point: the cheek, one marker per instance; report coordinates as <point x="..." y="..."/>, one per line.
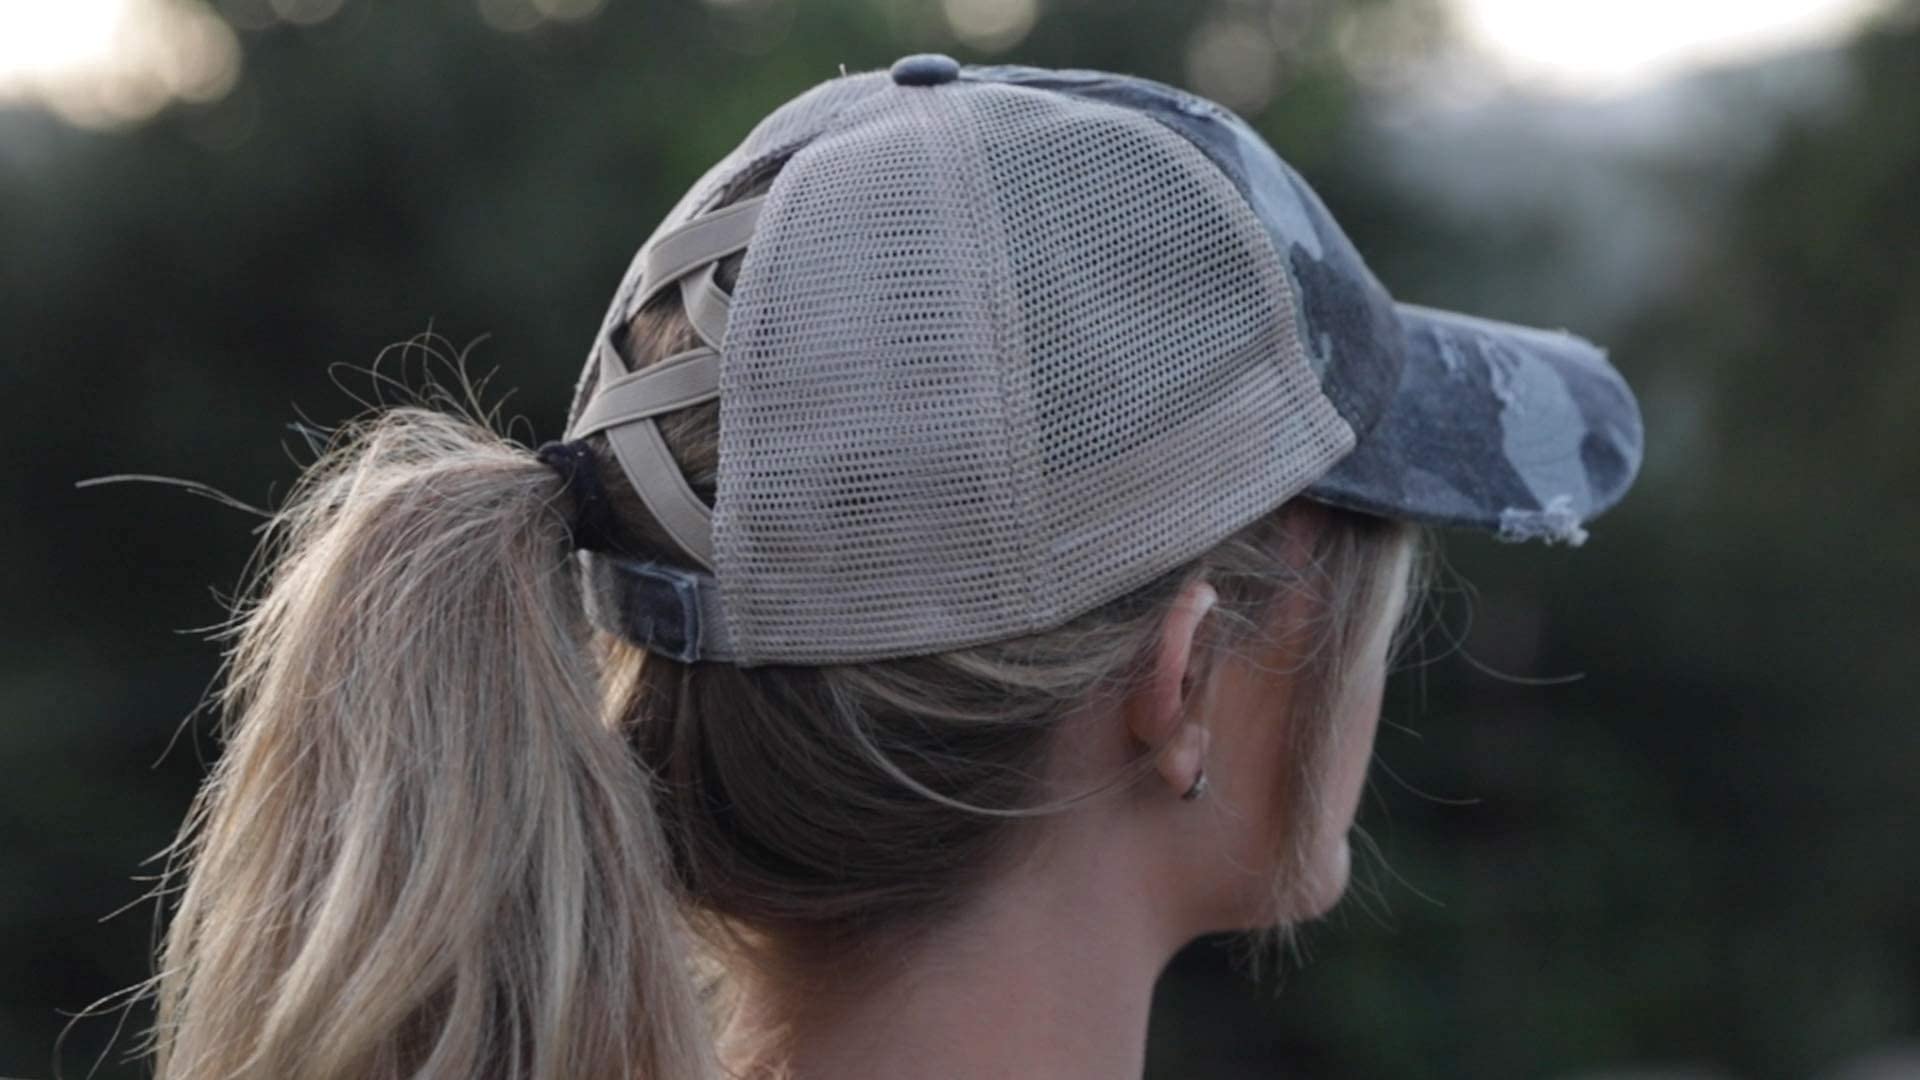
<point x="1289" y="848"/>
<point x="1311" y="848"/>
<point x="1326" y="860"/>
<point x="1248" y="820"/>
<point x="1355" y="753"/>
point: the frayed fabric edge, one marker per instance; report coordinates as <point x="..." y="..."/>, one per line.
<point x="1556" y="523"/>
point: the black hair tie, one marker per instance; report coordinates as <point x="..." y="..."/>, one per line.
<point x="592" y="524"/>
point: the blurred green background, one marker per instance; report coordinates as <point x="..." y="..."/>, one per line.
<point x="1698" y="859"/>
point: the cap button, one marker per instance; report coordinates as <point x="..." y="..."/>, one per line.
<point x="925" y="69"/>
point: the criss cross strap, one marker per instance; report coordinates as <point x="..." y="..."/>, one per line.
<point x="686" y="247"/>
<point x="625" y="404"/>
<point x="706" y="304"/>
<point x="678" y="382"/>
<point x="650" y="468"/>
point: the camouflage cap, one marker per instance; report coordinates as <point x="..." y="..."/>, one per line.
<point x="1007" y="342"/>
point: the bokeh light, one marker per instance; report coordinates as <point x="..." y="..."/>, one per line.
<point x="569" y="10"/>
<point x="509" y="16"/>
<point x="521" y="16"/>
<point x="991" y="25"/>
<point x="1232" y="60"/>
<point x="1624" y="44"/>
<point x="106" y="63"/>
<point x="306" y="12"/>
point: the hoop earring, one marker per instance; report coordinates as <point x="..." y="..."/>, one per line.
<point x="1198" y="789"/>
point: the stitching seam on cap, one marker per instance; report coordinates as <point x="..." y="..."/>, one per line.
<point x="1010" y="346"/>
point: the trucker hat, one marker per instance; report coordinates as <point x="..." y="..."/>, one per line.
<point x="1006" y="343"/>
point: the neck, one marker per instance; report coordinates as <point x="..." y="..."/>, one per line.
<point x="1050" y="973"/>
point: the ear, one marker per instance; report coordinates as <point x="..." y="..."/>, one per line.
<point x="1155" y="711"/>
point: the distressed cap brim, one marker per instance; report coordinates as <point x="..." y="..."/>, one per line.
<point x="1522" y="432"/>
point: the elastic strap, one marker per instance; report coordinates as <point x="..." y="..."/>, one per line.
<point x="660" y="484"/>
<point x="590" y="523"/>
<point x="706" y="304"/>
<point x="708" y="238"/>
<point x="678" y="382"/>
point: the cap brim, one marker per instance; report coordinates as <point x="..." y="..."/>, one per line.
<point x="1525" y="433"/>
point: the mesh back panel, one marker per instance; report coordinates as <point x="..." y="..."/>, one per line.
<point x="969" y="392"/>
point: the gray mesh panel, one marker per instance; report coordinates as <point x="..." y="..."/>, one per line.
<point x="963" y="398"/>
<point x="863" y="451"/>
<point x="1172" y="402"/>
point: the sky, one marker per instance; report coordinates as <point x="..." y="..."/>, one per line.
<point x="1588" y="48"/>
<point x="103" y="63"/>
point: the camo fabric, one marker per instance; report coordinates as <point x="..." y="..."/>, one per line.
<point x="1461" y="421"/>
<point x="1527" y="433"/>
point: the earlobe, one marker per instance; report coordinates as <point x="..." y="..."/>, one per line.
<point x="1160" y="714"/>
<point x="1184" y="761"/>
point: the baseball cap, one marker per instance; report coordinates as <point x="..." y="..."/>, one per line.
<point x="1006" y="343"/>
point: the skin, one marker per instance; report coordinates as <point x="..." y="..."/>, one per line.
<point x="1051" y="971"/>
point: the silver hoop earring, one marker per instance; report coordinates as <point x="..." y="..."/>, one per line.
<point x="1198" y="789"/>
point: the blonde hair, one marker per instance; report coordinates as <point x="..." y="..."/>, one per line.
<point x="424" y="852"/>
<point x="455" y="833"/>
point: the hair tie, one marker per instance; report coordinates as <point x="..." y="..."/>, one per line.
<point x="591" y="525"/>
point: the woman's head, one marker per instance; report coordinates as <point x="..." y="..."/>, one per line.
<point x="1009" y="539"/>
<point x="852" y="799"/>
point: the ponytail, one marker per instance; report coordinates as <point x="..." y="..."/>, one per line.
<point x="425" y="851"/>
